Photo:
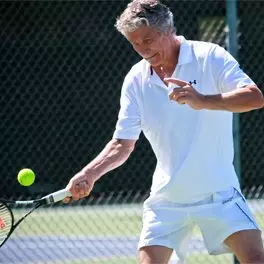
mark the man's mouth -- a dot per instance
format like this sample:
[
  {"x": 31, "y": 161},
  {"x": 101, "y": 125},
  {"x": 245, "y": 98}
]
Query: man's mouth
[{"x": 151, "y": 57}]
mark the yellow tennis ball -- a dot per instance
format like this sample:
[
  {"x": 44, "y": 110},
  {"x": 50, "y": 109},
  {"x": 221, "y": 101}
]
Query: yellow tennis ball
[{"x": 26, "y": 177}]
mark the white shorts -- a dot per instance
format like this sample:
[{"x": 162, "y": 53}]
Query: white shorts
[{"x": 169, "y": 224}]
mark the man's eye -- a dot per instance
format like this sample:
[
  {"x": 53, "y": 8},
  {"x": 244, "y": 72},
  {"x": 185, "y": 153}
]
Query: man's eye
[{"x": 135, "y": 44}]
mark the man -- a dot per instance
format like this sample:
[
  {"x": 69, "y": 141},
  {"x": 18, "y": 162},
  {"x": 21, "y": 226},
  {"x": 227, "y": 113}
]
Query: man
[{"x": 181, "y": 95}]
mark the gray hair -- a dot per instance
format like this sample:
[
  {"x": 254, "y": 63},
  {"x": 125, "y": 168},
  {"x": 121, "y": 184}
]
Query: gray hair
[{"x": 151, "y": 13}]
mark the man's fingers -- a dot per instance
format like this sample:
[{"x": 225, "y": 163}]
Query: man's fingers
[
  {"x": 182, "y": 100},
  {"x": 79, "y": 189},
  {"x": 67, "y": 200},
  {"x": 177, "y": 93},
  {"x": 82, "y": 188},
  {"x": 179, "y": 97},
  {"x": 181, "y": 90},
  {"x": 176, "y": 81}
]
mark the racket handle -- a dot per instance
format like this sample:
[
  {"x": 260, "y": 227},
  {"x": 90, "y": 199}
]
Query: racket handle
[{"x": 57, "y": 196}]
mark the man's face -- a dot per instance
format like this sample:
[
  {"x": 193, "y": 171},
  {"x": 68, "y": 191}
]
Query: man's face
[{"x": 149, "y": 43}]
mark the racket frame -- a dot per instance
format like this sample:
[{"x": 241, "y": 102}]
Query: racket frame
[{"x": 48, "y": 199}]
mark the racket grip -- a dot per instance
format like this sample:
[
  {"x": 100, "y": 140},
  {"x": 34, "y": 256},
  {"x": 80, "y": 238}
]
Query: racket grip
[{"x": 57, "y": 196}]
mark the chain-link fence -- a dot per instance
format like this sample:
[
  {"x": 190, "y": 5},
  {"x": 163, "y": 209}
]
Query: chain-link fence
[{"x": 62, "y": 66}]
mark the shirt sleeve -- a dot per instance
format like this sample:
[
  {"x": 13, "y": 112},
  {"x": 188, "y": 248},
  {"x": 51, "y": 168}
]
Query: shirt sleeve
[
  {"x": 129, "y": 122},
  {"x": 229, "y": 75}
]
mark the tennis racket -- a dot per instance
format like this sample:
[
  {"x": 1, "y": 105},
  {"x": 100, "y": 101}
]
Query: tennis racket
[{"x": 7, "y": 221}]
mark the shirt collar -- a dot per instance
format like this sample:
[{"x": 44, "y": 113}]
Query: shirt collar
[{"x": 186, "y": 54}]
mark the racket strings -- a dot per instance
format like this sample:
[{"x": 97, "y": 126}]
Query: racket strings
[{"x": 6, "y": 222}]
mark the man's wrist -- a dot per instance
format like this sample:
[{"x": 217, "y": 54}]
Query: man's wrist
[{"x": 91, "y": 174}]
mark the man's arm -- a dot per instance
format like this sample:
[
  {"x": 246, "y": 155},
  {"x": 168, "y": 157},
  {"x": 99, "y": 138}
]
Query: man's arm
[
  {"x": 238, "y": 101},
  {"x": 115, "y": 153}
]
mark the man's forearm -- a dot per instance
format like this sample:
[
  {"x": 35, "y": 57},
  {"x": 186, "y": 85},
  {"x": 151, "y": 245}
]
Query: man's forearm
[
  {"x": 112, "y": 156},
  {"x": 240, "y": 100}
]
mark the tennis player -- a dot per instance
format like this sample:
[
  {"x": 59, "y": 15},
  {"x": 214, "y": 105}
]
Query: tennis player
[{"x": 181, "y": 95}]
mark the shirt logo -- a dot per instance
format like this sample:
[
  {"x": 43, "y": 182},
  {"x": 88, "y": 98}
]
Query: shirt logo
[{"x": 192, "y": 82}]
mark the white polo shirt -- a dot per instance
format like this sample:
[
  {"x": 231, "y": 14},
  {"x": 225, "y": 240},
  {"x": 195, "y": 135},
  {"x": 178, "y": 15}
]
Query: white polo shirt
[{"x": 194, "y": 148}]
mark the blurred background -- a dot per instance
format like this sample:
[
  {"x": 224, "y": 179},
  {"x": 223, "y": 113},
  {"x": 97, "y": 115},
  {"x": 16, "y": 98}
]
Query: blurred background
[{"x": 62, "y": 64}]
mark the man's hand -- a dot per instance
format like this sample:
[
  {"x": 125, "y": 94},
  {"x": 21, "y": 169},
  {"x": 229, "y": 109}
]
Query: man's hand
[
  {"x": 186, "y": 94},
  {"x": 80, "y": 186}
]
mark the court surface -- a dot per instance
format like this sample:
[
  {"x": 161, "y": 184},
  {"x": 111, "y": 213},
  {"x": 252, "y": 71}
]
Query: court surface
[
  {"x": 84, "y": 234},
  {"x": 36, "y": 249}
]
